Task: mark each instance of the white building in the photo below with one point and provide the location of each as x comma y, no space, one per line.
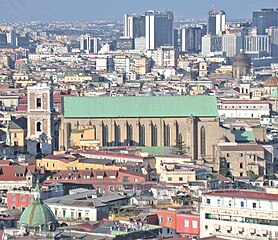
239,215
243,108
231,44
257,43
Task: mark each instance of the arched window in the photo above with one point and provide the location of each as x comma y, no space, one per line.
167,135
203,141
142,136
104,135
129,135
154,135
39,127
117,135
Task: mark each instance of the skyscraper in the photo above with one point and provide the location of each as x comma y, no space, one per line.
159,29
216,22
134,26
231,44
190,39
264,19
89,44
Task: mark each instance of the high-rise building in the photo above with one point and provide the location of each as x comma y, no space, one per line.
11,38
216,22
89,44
264,19
211,44
273,33
159,29
190,39
257,43
231,44
134,26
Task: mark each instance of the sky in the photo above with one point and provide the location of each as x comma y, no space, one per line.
89,10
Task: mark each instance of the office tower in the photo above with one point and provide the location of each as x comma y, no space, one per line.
134,26
11,38
257,43
125,43
3,40
273,33
211,44
190,39
264,19
231,44
159,29
89,44
216,22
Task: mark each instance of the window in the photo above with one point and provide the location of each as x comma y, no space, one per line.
117,130
15,135
39,126
208,201
104,135
228,155
218,202
72,214
186,223
169,219
160,219
242,204
53,165
167,135
206,227
16,143
154,135
230,203
254,205
23,198
31,199
241,165
82,135
194,224
47,164
142,136
125,179
129,135
203,141
170,179
241,154
13,197
241,174
64,213
39,102
180,179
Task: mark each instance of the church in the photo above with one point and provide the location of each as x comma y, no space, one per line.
143,121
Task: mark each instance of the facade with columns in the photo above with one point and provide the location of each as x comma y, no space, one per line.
145,121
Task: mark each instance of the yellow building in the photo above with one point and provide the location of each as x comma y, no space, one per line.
18,133
84,136
74,162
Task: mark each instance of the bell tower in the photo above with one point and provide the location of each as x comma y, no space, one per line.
40,123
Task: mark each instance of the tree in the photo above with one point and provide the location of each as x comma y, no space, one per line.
252,175
180,145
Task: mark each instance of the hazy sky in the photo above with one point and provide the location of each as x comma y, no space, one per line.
86,10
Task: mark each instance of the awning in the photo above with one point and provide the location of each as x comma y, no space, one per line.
217,226
252,230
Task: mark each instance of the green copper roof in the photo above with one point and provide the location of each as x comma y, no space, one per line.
164,106
37,213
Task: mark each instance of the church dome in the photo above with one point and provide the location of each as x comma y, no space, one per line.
38,215
271,82
241,59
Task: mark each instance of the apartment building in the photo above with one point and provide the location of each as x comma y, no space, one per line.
239,214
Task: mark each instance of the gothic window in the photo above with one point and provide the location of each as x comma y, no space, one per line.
203,141
142,136
117,135
166,135
39,127
154,135
39,102
104,135
129,135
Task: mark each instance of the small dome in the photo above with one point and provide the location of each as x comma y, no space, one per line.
271,82
38,214
241,59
